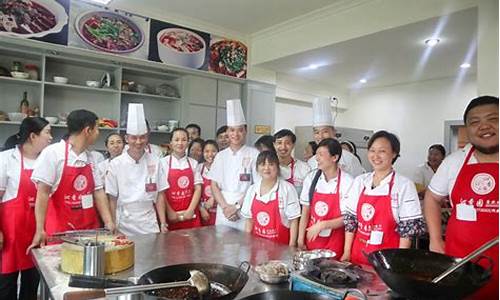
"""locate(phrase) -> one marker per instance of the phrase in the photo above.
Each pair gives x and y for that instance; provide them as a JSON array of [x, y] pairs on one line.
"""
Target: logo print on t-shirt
[[321, 208], [208, 191], [80, 183], [183, 182], [482, 183], [263, 218], [367, 211]]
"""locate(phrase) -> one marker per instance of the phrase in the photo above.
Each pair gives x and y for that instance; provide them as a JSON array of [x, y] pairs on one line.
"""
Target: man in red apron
[[291, 169], [65, 172], [470, 178]]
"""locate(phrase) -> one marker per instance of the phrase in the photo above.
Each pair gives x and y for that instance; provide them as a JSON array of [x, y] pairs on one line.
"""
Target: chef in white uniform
[[323, 128], [233, 170], [131, 180]]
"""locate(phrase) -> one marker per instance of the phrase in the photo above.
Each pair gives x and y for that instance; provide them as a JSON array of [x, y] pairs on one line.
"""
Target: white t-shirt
[[97, 156], [443, 181], [405, 203], [102, 167], [348, 162], [10, 171], [126, 179], [300, 171], [49, 165], [328, 187], [199, 168], [423, 174], [179, 164], [288, 200], [228, 166]]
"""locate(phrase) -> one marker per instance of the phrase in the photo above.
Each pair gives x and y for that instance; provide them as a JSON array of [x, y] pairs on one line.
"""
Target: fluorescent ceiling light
[[465, 66], [313, 67], [362, 80], [432, 42], [105, 2]]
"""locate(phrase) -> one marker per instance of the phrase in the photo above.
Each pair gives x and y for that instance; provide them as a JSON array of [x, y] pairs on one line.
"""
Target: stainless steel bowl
[[268, 277]]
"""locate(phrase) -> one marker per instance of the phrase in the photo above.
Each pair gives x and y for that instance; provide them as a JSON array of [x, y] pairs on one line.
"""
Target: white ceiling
[[392, 56], [243, 16]]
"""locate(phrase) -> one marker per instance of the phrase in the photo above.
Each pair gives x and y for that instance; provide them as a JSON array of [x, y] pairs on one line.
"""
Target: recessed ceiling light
[[432, 42], [465, 66], [105, 2], [313, 67], [362, 80]]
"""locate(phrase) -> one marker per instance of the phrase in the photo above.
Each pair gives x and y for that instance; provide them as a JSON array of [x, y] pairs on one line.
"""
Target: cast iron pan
[[409, 273]]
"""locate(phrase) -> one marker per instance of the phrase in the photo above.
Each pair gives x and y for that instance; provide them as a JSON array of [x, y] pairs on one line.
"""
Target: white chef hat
[[136, 122], [234, 113], [322, 112]]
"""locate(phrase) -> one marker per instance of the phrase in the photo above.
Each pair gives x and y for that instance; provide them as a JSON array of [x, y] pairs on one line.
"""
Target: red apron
[[267, 221], [374, 214], [206, 193], [477, 185], [292, 170], [180, 194], [325, 207], [72, 202], [18, 225]]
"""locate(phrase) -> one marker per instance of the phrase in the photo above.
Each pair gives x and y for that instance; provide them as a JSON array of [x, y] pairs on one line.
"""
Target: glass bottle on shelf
[[24, 107]]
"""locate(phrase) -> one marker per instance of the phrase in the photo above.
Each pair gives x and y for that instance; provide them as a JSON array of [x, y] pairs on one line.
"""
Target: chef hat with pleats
[[136, 122], [322, 112], [234, 113]]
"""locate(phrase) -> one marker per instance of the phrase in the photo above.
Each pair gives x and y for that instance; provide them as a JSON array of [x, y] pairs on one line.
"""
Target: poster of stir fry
[[43, 20], [180, 46], [228, 57], [103, 29]]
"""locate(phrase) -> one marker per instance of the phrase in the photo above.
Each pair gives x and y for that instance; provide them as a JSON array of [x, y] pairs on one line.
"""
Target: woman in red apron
[[265, 219], [183, 195], [208, 206], [323, 217], [371, 224], [17, 216]]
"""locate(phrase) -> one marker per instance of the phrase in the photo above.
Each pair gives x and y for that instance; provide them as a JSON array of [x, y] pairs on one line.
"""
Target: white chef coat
[[10, 171], [179, 164], [443, 181], [405, 204], [102, 167], [300, 171], [423, 174], [49, 165], [126, 180], [152, 148], [226, 170], [348, 162], [288, 200], [328, 187], [97, 156]]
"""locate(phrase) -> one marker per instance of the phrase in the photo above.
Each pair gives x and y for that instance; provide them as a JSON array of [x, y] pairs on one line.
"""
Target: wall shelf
[[153, 96], [80, 87], [18, 80]]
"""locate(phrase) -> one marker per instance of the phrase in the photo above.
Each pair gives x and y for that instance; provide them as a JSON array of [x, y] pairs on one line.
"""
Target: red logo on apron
[[263, 218], [321, 208], [80, 183], [482, 183], [183, 182], [367, 211]]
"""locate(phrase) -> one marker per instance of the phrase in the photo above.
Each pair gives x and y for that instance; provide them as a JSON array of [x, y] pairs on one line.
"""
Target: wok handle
[[490, 260], [145, 287], [245, 267], [355, 292]]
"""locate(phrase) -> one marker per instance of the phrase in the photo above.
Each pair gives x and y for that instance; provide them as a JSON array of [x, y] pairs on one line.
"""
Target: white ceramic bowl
[[16, 116], [59, 79], [93, 83], [20, 75], [52, 120], [163, 128], [172, 56]]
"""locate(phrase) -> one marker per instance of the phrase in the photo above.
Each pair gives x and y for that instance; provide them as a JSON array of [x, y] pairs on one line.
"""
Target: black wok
[[287, 295], [233, 278], [409, 273]]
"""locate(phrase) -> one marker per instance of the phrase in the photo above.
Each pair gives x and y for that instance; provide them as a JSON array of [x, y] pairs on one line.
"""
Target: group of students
[[327, 203]]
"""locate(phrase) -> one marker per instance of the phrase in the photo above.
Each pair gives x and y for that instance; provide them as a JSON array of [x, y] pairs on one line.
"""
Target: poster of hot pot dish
[[108, 30], [43, 20]]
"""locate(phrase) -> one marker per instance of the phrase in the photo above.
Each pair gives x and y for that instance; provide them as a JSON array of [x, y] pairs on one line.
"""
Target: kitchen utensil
[[287, 295], [197, 279], [466, 259], [409, 273], [60, 79], [94, 258], [301, 258], [93, 83], [20, 75]]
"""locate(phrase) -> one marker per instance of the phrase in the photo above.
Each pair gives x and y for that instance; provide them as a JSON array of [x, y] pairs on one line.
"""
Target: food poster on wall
[[43, 20], [228, 57], [104, 29], [180, 46]]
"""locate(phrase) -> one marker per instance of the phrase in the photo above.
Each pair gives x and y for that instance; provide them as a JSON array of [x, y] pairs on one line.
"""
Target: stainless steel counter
[[214, 244]]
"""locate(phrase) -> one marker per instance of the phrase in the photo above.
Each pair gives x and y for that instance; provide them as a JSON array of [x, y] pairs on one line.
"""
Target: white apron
[[231, 198], [137, 217]]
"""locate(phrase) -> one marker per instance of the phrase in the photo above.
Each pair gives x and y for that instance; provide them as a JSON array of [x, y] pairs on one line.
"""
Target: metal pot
[[409, 273], [287, 295]]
